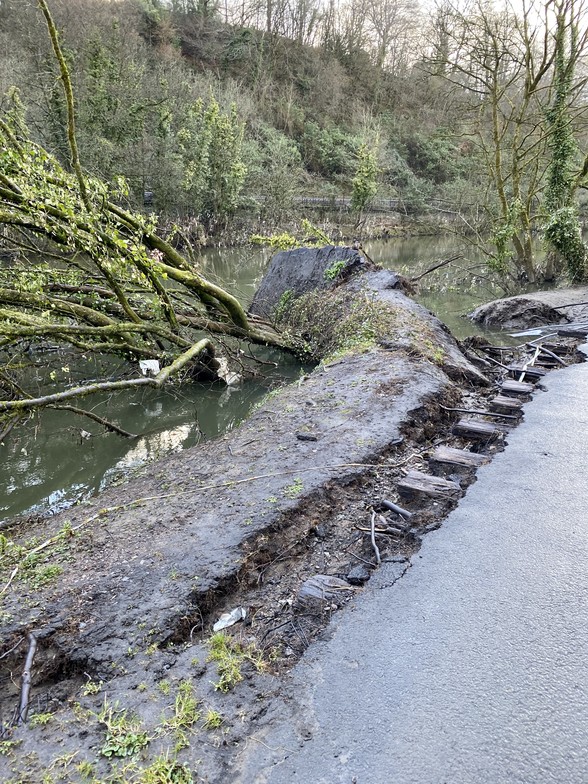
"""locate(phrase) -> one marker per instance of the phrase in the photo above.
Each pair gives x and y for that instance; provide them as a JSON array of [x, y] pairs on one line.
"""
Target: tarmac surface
[[474, 666]]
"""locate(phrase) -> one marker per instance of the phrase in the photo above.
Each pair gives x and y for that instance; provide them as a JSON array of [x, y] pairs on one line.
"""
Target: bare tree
[[502, 61], [390, 25]]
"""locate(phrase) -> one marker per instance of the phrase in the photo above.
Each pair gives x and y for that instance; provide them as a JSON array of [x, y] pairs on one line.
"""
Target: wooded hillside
[[463, 111]]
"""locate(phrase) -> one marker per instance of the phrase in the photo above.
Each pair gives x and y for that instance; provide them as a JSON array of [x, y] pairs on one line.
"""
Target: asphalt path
[[473, 666]]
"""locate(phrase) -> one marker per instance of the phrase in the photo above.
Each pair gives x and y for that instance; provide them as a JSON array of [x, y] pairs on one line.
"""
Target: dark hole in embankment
[[54, 679], [338, 506]]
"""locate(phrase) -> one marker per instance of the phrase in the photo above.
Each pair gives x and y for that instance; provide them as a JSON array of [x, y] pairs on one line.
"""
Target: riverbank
[[55, 461], [474, 667], [339, 225], [121, 594], [534, 309]]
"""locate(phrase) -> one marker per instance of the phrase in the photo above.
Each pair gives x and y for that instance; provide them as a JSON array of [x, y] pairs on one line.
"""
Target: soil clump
[[557, 306]]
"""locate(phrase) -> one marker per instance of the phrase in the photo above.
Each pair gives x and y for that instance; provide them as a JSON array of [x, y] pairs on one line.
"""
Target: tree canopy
[[88, 274]]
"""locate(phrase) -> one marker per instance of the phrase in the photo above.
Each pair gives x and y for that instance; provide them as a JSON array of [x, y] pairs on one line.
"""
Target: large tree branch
[[197, 350], [68, 91]]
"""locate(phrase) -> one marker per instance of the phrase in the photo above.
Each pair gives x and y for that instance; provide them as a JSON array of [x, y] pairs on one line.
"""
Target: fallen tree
[[82, 272]]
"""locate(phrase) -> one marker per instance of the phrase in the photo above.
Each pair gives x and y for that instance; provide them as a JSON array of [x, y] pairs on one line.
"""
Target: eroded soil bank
[[558, 306], [128, 681]]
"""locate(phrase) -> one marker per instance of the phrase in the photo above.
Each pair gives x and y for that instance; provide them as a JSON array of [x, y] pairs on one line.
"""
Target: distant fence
[[376, 205]]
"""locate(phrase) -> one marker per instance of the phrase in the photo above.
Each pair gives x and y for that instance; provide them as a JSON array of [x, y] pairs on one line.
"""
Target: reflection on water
[[50, 463], [450, 292], [150, 448]]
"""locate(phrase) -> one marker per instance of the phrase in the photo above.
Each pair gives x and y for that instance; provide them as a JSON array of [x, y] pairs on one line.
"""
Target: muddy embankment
[[555, 307], [120, 594]]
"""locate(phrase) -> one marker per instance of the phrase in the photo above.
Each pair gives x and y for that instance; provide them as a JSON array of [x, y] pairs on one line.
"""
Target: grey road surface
[[473, 667]]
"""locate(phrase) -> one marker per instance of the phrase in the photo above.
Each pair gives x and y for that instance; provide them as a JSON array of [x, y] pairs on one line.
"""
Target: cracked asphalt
[[473, 667]]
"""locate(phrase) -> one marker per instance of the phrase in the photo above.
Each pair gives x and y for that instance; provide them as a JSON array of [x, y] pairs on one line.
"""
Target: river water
[[57, 459]]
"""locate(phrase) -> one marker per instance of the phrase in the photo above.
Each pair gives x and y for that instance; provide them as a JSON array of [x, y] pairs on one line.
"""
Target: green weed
[[185, 714], [164, 687], [294, 490], [85, 769], [230, 657], [335, 269], [212, 720], [166, 770], [92, 687], [40, 719], [124, 736]]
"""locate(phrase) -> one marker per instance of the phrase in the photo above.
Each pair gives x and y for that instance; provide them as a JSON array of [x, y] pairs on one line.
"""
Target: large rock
[[305, 269], [405, 326], [516, 313]]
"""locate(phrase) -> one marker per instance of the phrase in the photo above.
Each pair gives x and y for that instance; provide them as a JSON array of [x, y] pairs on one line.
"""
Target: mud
[[557, 306], [122, 593]]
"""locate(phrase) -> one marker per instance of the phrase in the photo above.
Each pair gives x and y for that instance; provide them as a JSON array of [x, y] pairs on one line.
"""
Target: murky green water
[[450, 292], [57, 459]]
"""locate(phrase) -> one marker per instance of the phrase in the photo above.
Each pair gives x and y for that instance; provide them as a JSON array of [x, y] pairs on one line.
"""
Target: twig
[[549, 353], [276, 559], [539, 339], [490, 347], [398, 509], [232, 483], [374, 545], [25, 690], [387, 531], [436, 267], [496, 362], [359, 558], [91, 415], [475, 358], [14, 647], [529, 363], [47, 543], [12, 576], [475, 411], [569, 305], [8, 429]]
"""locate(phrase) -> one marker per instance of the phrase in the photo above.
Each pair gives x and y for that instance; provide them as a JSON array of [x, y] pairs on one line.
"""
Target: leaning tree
[[81, 271]]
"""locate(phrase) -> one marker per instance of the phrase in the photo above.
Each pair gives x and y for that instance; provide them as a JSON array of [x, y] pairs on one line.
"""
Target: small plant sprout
[[85, 769], [91, 687], [212, 719], [185, 714], [335, 269], [166, 770], [124, 735], [164, 687], [40, 719], [294, 490], [230, 657]]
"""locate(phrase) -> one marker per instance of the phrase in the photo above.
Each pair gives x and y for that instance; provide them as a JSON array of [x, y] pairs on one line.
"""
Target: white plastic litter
[[228, 376], [230, 618], [149, 367]]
